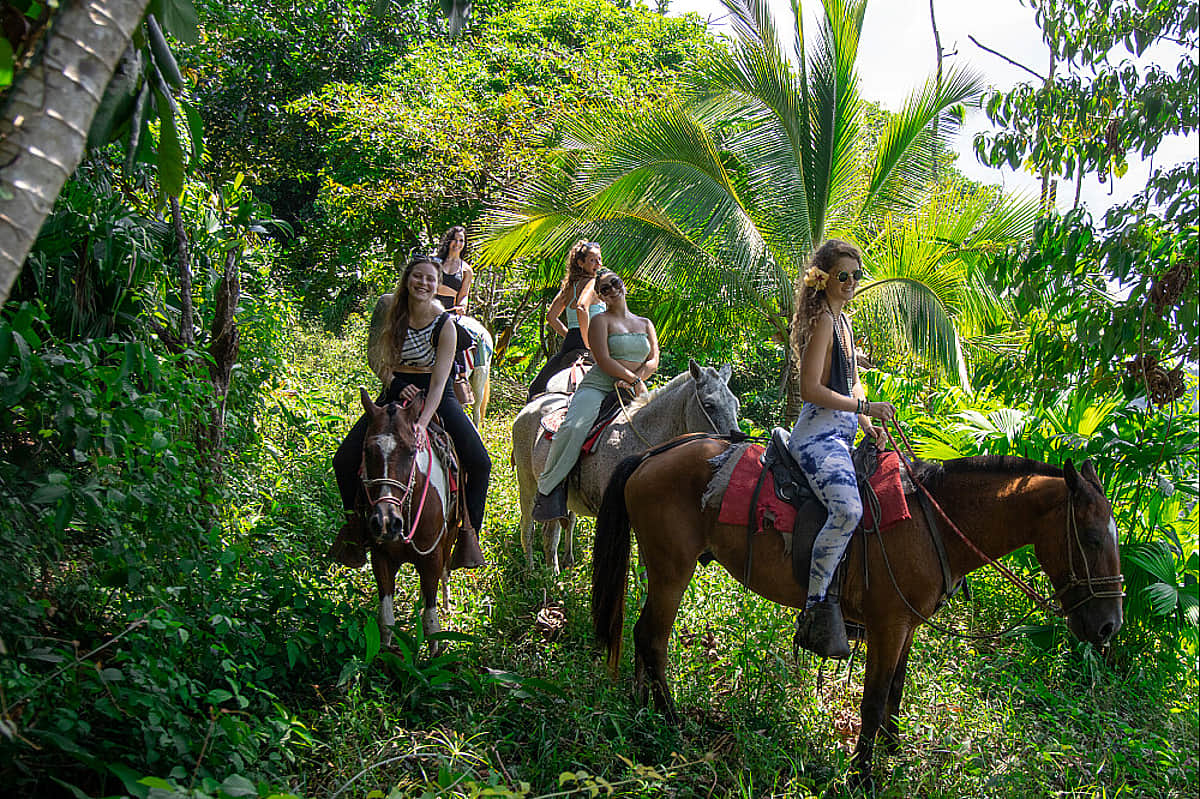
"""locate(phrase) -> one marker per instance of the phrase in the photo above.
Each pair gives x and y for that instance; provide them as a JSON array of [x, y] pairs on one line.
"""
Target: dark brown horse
[[410, 518], [999, 503]]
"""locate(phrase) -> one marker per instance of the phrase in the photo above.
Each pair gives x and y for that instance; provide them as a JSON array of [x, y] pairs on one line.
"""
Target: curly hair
[[575, 271], [444, 248], [811, 301], [387, 348]]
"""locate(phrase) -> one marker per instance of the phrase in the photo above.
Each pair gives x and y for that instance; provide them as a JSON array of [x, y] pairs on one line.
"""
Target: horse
[[410, 518], [1001, 502], [698, 399], [479, 374]]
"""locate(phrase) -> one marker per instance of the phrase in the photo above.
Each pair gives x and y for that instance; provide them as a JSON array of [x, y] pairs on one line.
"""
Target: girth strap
[[751, 525], [938, 545]]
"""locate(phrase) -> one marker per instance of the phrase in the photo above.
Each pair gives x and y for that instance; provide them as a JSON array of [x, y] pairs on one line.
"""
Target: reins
[[1051, 605], [629, 415]]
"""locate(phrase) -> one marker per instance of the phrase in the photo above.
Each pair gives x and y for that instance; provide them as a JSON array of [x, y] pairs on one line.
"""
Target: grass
[[526, 700]]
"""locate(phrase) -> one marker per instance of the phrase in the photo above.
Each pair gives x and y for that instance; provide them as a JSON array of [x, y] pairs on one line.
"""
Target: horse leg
[[652, 636], [481, 384], [385, 580], [551, 534], [891, 721], [525, 493], [885, 643], [568, 560], [430, 573]]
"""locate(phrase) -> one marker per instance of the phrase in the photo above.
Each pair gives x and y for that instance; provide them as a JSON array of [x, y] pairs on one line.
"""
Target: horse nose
[[1108, 630], [375, 524], [396, 527]]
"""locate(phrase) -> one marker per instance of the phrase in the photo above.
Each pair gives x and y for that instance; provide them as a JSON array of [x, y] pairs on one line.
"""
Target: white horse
[[698, 400], [479, 375]]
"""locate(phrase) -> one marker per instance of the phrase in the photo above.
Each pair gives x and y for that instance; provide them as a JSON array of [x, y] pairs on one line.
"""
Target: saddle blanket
[[780, 515], [554, 419]]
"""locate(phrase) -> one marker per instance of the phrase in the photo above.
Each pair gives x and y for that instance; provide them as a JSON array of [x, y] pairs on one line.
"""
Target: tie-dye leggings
[[820, 443]]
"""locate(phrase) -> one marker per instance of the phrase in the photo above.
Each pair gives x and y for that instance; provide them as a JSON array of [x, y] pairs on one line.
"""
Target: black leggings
[[572, 348], [476, 464]]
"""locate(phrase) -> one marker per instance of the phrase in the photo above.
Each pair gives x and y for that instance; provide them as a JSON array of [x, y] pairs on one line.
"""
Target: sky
[[896, 56]]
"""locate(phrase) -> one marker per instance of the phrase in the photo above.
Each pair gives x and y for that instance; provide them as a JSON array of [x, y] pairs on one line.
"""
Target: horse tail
[[610, 562]]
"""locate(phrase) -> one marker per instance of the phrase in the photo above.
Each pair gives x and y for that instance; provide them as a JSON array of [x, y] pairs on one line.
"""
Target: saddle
[[780, 497], [610, 408]]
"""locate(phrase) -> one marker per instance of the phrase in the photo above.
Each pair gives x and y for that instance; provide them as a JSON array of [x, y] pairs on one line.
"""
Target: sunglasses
[[843, 275], [608, 288]]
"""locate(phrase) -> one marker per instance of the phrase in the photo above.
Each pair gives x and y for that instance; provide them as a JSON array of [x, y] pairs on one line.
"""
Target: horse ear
[[367, 403], [694, 368], [1088, 470], [1071, 476], [725, 373]]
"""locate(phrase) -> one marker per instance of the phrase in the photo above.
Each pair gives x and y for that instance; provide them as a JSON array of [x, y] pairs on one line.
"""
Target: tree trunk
[[44, 124]]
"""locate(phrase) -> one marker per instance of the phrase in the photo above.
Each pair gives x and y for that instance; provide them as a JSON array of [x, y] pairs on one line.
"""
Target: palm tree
[[725, 192]]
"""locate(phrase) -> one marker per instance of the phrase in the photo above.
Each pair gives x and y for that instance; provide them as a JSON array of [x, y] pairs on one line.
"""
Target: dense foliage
[[170, 626]]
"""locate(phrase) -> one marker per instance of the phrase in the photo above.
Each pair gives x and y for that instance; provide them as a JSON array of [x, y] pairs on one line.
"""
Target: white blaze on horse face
[[386, 443], [1112, 530]]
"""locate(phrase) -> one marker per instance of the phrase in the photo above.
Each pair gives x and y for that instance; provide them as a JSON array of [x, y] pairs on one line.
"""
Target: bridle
[[699, 401], [406, 490], [1087, 581]]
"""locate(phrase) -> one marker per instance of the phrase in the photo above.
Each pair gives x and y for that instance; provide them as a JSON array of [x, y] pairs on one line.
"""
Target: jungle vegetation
[[182, 345]]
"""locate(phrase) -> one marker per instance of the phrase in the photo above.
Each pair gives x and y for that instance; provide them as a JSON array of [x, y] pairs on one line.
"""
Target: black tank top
[[452, 281], [842, 369]]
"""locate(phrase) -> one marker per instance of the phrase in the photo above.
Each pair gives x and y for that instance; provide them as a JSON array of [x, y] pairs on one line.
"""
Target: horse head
[[388, 465], [1085, 564], [713, 408]]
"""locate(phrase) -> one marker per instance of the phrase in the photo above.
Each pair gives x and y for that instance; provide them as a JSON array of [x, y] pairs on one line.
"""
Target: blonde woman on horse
[[835, 406], [577, 297], [411, 349], [625, 347]]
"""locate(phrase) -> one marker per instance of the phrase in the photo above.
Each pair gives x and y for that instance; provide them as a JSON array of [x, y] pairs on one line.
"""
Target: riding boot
[[821, 629], [350, 546], [548, 507], [467, 554]]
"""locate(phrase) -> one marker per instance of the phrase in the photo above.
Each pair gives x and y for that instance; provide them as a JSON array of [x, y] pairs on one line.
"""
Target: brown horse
[[1000, 503], [410, 517]]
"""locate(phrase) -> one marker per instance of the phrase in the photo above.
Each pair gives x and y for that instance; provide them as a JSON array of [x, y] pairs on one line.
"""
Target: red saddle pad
[[780, 515]]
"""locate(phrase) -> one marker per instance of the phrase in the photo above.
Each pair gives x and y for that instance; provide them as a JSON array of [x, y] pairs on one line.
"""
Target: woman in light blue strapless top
[[625, 347]]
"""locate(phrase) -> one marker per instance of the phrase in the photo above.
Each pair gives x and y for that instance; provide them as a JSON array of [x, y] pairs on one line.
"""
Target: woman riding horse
[[454, 286], [411, 349], [835, 405], [625, 347], [577, 296]]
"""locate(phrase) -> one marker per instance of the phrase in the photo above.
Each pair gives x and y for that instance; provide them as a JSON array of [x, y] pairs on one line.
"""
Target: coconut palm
[[725, 193]]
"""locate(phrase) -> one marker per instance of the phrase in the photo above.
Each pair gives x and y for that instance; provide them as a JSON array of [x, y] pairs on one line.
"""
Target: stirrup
[[822, 630], [552, 506], [467, 554]]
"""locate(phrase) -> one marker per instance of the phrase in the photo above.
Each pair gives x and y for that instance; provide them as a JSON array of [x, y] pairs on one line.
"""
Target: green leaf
[[170, 152], [6, 62], [372, 634], [179, 18], [237, 785]]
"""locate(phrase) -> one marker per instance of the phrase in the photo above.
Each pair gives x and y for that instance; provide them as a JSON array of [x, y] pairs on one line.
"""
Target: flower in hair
[[815, 278]]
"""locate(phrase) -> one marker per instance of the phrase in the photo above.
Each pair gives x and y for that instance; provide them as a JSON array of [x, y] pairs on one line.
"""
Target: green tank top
[[628, 346]]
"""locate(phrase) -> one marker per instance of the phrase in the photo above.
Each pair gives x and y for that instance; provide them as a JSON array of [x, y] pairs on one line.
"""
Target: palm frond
[[903, 161]]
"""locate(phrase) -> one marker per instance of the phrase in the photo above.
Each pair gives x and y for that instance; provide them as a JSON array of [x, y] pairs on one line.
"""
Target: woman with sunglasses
[[625, 347], [835, 405], [577, 296]]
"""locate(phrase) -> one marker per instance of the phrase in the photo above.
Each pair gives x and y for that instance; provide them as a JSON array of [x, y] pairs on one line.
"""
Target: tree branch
[[1006, 58]]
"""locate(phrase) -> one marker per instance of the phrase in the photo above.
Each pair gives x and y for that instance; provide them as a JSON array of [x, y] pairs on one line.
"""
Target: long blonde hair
[[385, 350], [810, 300]]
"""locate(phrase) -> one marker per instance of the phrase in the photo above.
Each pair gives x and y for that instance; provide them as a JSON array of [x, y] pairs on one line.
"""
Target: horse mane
[[645, 399], [931, 472]]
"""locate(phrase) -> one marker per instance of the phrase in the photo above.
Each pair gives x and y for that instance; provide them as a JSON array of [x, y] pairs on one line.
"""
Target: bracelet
[[863, 406]]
